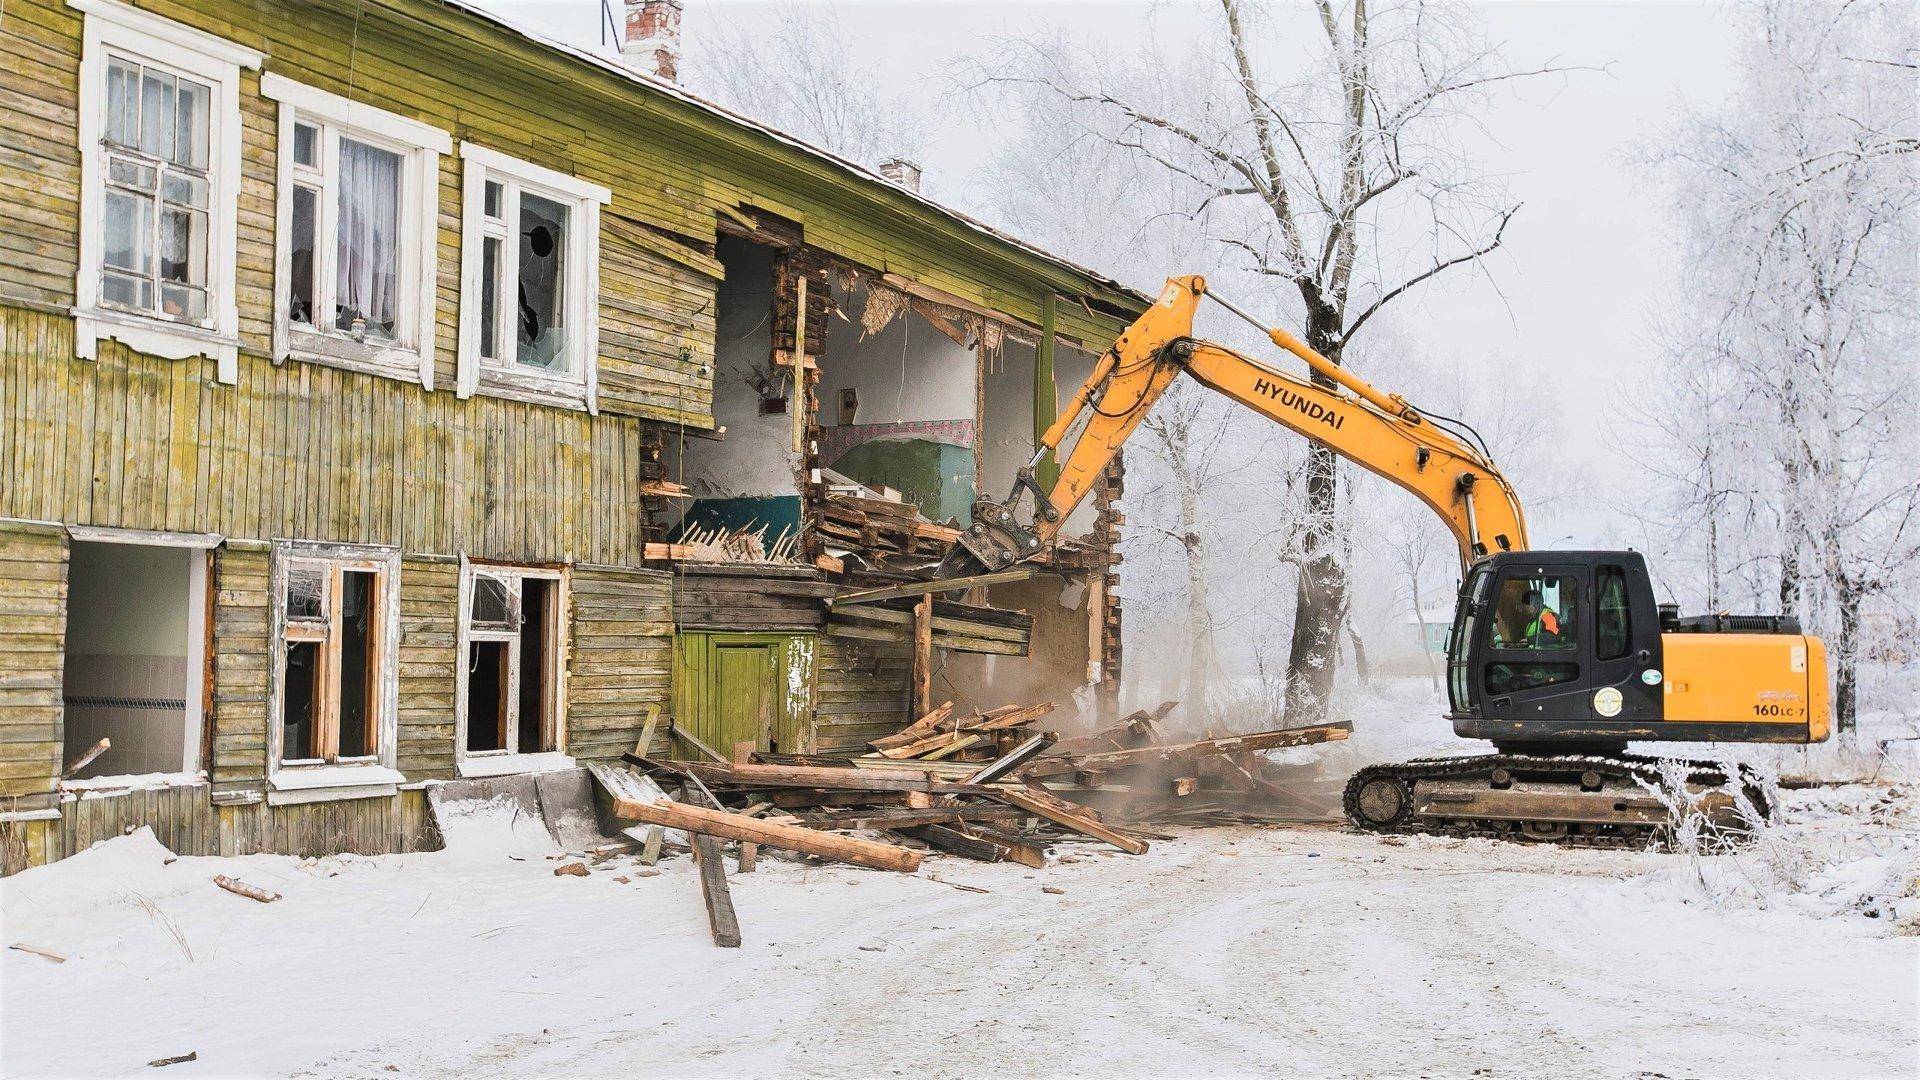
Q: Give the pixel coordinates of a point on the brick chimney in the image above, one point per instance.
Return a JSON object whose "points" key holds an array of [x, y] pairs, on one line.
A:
{"points": [[652, 41], [902, 172]]}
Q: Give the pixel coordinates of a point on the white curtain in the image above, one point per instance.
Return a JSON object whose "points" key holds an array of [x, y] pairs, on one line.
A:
{"points": [[369, 238]]}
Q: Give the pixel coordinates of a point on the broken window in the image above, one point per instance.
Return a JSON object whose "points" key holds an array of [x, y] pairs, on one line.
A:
{"points": [[510, 682], [334, 644], [528, 305]]}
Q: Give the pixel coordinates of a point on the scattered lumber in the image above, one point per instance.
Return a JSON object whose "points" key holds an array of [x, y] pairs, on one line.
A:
{"points": [[251, 892], [1134, 730], [1067, 815], [720, 823], [1114, 760], [1014, 758], [907, 817], [971, 783], [159, 1063], [832, 779], [37, 951]]}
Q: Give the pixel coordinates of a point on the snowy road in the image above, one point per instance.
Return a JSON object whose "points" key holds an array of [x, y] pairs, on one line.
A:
{"points": [[1303, 951]]}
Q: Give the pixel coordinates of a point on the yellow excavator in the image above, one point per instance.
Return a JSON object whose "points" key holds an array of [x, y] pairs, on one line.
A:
{"points": [[1560, 658]]}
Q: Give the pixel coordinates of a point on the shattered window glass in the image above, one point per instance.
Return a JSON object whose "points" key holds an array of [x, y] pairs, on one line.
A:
{"points": [[496, 603], [306, 593]]}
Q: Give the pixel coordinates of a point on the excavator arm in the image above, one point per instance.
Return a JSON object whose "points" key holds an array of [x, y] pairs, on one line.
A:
{"points": [[1380, 432]]}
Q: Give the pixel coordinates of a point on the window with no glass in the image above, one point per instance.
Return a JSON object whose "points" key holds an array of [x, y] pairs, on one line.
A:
{"points": [[513, 638]]}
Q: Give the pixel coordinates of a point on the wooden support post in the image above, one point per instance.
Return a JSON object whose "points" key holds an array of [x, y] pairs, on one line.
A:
{"points": [[749, 851], [923, 656], [798, 406]]}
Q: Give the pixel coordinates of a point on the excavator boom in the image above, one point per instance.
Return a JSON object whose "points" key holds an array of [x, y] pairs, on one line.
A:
{"points": [[1379, 432]]}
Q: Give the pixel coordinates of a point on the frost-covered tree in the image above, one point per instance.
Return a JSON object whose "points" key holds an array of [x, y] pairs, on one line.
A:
{"points": [[797, 71], [1314, 146], [1789, 438]]}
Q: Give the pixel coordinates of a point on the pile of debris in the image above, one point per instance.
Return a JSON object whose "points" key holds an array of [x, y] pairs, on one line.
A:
{"points": [[967, 785]]}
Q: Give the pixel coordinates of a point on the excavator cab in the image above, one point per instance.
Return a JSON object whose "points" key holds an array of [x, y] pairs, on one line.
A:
{"points": [[1570, 650], [1556, 647]]}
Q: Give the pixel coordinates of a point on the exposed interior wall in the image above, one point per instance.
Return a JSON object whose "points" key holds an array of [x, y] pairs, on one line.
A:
{"points": [[1055, 668], [129, 616], [1009, 436], [753, 460], [913, 427], [1007, 441]]}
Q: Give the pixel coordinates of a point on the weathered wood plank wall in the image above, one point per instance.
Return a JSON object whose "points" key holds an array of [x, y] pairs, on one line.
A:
{"points": [[656, 304], [862, 691], [622, 658], [317, 453], [187, 822], [33, 622]]}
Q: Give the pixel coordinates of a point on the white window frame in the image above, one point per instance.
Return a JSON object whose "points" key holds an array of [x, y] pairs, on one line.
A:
{"points": [[579, 387], [115, 27], [410, 358], [372, 776], [511, 759]]}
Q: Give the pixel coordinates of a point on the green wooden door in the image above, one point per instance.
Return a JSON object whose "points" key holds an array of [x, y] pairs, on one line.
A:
{"points": [[735, 688]]}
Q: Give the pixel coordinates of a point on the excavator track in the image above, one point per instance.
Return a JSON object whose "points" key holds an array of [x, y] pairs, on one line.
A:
{"points": [[1582, 801]]}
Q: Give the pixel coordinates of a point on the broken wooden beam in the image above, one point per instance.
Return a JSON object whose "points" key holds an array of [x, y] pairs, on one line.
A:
{"points": [[1133, 730], [1067, 815], [1012, 760], [908, 817], [1153, 755], [714, 891], [86, 759], [917, 730], [801, 776], [922, 588], [705, 822], [241, 888]]}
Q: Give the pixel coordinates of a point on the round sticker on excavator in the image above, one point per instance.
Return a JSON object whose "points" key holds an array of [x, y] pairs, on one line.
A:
{"points": [[1607, 701]]}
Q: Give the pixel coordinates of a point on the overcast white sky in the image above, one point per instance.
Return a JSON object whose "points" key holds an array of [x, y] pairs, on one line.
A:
{"points": [[1586, 260]]}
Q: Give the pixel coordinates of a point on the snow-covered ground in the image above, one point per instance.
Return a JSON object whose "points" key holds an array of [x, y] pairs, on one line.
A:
{"points": [[1297, 951]]}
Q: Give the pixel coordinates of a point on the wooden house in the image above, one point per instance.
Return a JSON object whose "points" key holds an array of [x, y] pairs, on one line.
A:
{"points": [[363, 366]]}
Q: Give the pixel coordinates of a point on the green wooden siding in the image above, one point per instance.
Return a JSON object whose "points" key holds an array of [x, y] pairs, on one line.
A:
{"points": [[308, 452], [186, 821], [734, 688], [242, 667]]}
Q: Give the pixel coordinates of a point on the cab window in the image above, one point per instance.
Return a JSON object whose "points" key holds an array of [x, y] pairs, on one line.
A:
{"points": [[1613, 630], [1536, 613]]}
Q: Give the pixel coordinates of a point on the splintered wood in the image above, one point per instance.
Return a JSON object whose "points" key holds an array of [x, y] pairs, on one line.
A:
{"points": [[961, 783]]}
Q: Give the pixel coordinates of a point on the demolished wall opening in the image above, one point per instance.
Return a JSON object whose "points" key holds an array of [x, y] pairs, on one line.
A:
{"points": [[133, 618], [743, 482], [898, 398]]}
